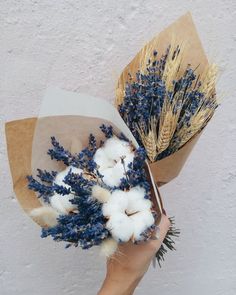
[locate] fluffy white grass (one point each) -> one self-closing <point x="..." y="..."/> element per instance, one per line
<point x="46" y="216"/>
<point x="62" y="203"/>
<point x="108" y="247"/>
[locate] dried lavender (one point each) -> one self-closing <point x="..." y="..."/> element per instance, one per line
<point x="179" y="105"/>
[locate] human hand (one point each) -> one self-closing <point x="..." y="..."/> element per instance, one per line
<point x="128" y="265"/>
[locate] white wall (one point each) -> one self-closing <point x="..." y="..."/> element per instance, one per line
<point x="83" y="46"/>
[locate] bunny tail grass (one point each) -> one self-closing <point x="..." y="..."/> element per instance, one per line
<point x="168" y="242"/>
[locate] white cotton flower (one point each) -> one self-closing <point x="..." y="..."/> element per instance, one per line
<point x="141" y="221"/>
<point x="108" y="159"/>
<point x="128" y="210"/>
<point x="115" y="148"/>
<point x="136" y="193"/>
<point x="121" y="227"/>
<point x="108" y="247"/>
<point x="102" y="160"/>
<point x="137" y="202"/>
<point x="111" y="177"/>
<point x="118" y="202"/>
<point x="45" y="216"/>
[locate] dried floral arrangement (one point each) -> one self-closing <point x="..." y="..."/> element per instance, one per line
<point x="102" y="197"/>
<point x="106" y="192"/>
<point x="91" y="202"/>
<point x="163" y="108"/>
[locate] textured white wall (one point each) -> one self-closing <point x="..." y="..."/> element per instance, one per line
<point x="83" y="46"/>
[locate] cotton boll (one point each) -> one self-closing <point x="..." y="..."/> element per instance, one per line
<point x="59" y="180"/>
<point x="136" y="193"/>
<point x="121" y="227"/>
<point x="117" y="172"/>
<point x="100" y="193"/>
<point x="129" y="158"/>
<point x="118" y="202"/>
<point x="62" y="203"/>
<point x="110" y="177"/>
<point x="102" y="160"/>
<point x="136" y="205"/>
<point x="116" y="148"/>
<point x="141" y="221"/>
<point x="45" y="216"/>
<point x="119" y="197"/>
<point x="108" y="247"/>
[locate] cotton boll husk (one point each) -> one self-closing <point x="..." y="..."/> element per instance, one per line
<point x="116" y="148"/>
<point x="121" y="227"/>
<point x="46" y="216"/>
<point x="101" y="194"/>
<point x="141" y="221"/>
<point x="135" y="205"/>
<point x="59" y="180"/>
<point x="108" y="247"/>
<point x="62" y="203"/>
<point x="118" y="202"/>
<point x="102" y="160"/>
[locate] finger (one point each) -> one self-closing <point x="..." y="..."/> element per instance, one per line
<point x="163" y="226"/>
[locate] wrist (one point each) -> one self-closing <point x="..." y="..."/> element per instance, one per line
<point x="121" y="282"/>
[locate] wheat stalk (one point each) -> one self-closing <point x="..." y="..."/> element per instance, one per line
<point x="172" y="66"/>
<point x="208" y="81"/>
<point x="197" y="123"/>
<point x="149" y="138"/>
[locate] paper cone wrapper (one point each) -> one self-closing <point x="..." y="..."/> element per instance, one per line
<point x="182" y="31"/>
<point x="70" y="117"/>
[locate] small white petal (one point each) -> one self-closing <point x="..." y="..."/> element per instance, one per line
<point x="108" y="247"/>
<point x="45" y="216"/>
<point x="121" y="227"/>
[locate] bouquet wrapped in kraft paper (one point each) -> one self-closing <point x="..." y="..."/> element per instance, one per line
<point x="88" y="172"/>
<point x="97" y="189"/>
<point x="166" y="95"/>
